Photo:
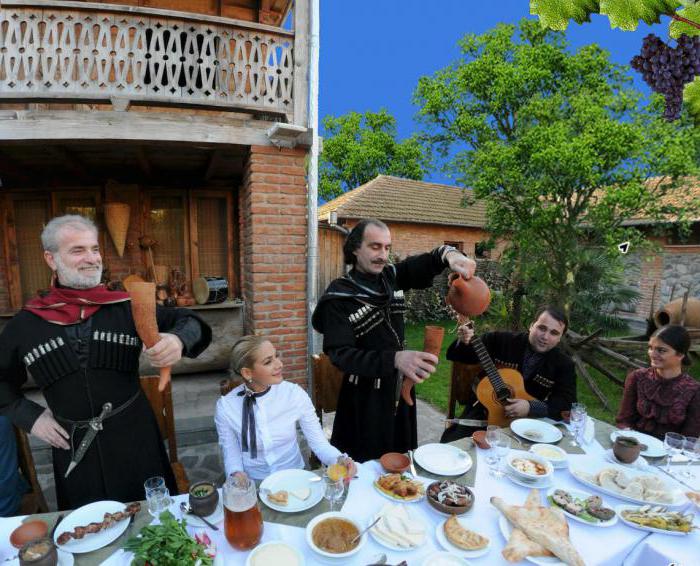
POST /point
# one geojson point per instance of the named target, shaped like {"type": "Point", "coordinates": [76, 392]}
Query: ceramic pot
{"type": "Point", "coordinates": [39, 552]}
{"type": "Point", "coordinates": [469, 297]}
{"type": "Point", "coordinates": [627, 449]}
{"type": "Point", "coordinates": [432, 343]}
{"type": "Point", "coordinates": [670, 313]}
{"type": "Point", "coordinates": [203, 498]}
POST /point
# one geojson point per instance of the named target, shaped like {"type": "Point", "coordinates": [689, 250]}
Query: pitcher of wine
{"type": "Point", "coordinates": [243, 522]}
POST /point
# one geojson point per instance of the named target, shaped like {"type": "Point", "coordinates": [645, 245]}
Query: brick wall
{"type": "Point", "coordinates": [272, 205]}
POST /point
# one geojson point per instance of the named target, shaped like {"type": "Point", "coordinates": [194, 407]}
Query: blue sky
{"type": "Point", "coordinates": [374, 51]}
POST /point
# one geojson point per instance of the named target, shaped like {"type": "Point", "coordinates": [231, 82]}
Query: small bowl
{"type": "Point", "coordinates": [449, 509]}
{"type": "Point", "coordinates": [48, 556]}
{"type": "Point", "coordinates": [479, 438]}
{"type": "Point", "coordinates": [257, 555]}
{"type": "Point", "coordinates": [333, 515]}
{"type": "Point", "coordinates": [204, 505]}
{"type": "Point", "coordinates": [395, 462]}
{"type": "Point", "coordinates": [554, 454]}
{"type": "Point", "coordinates": [28, 531]}
{"type": "Point", "coordinates": [529, 456]}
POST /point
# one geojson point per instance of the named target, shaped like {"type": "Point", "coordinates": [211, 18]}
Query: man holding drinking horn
{"type": "Point", "coordinates": [80, 344]}
{"type": "Point", "coordinates": [361, 318]}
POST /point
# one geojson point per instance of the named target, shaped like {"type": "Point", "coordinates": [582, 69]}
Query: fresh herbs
{"type": "Point", "coordinates": [167, 544]}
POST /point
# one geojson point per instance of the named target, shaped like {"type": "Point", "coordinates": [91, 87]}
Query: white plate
{"type": "Point", "coordinates": [290, 480]}
{"type": "Point", "coordinates": [414, 520]}
{"type": "Point", "coordinates": [679, 501]}
{"type": "Point", "coordinates": [655, 447]}
{"type": "Point", "coordinates": [447, 545]}
{"type": "Point", "coordinates": [64, 559]}
{"type": "Point", "coordinates": [83, 516]}
{"type": "Point", "coordinates": [556, 462]}
{"type": "Point", "coordinates": [545, 433]}
{"type": "Point", "coordinates": [639, 464]}
{"type": "Point", "coordinates": [443, 558]}
{"type": "Point", "coordinates": [621, 508]}
{"type": "Point", "coordinates": [397, 499]}
{"type": "Point", "coordinates": [582, 495]}
{"type": "Point", "coordinates": [259, 548]}
{"type": "Point", "coordinates": [443, 459]}
{"type": "Point", "coordinates": [215, 518]}
{"type": "Point", "coordinates": [506, 528]}
{"type": "Point", "coordinates": [544, 483]}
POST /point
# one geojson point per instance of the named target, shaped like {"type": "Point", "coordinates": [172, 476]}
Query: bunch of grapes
{"type": "Point", "coordinates": [667, 70]}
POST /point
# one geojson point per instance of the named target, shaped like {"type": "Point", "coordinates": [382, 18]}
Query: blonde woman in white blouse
{"type": "Point", "coordinates": [256, 421]}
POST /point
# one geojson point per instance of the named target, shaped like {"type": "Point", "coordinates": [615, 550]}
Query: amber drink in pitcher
{"type": "Point", "coordinates": [243, 522]}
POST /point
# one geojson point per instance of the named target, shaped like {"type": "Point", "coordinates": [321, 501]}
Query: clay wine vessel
{"type": "Point", "coordinates": [432, 343]}
{"type": "Point", "coordinates": [469, 297]}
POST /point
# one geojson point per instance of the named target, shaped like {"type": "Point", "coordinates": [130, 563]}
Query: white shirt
{"type": "Point", "coordinates": [276, 415]}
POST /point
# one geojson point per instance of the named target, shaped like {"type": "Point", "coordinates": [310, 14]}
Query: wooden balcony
{"type": "Point", "coordinates": [54, 51]}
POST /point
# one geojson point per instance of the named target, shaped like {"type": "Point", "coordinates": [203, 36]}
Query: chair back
{"type": "Point", "coordinates": [327, 380]}
{"type": "Point", "coordinates": [33, 501]}
{"type": "Point", "coordinates": [462, 381]}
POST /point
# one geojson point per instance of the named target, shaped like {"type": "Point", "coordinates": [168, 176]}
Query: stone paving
{"type": "Point", "coordinates": [199, 452]}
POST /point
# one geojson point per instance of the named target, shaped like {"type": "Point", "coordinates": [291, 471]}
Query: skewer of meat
{"type": "Point", "coordinates": [108, 520]}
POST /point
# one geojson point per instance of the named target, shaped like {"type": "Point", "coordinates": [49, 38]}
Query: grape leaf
{"type": "Point", "coordinates": [691, 13]}
{"type": "Point", "coordinates": [555, 14]}
{"type": "Point", "coordinates": [691, 99]}
{"type": "Point", "coordinates": [625, 14]}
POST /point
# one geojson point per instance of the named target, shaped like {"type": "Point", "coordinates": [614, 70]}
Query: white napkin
{"type": "Point", "coordinates": [589, 431]}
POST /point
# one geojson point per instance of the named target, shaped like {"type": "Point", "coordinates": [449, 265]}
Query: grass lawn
{"type": "Point", "coordinates": [436, 390]}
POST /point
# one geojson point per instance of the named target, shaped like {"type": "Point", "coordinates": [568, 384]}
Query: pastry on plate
{"type": "Point", "coordinates": [279, 497]}
{"type": "Point", "coordinates": [463, 538]}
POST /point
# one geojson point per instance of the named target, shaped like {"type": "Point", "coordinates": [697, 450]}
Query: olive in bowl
{"type": "Point", "coordinates": [450, 497]}
{"type": "Point", "coordinates": [204, 498]}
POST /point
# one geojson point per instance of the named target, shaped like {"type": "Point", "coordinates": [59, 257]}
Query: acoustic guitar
{"type": "Point", "coordinates": [497, 387]}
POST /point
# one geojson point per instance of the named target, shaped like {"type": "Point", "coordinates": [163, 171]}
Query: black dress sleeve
{"type": "Point", "coordinates": [418, 272]}
{"type": "Point", "coordinates": [13, 374]}
{"type": "Point", "coordinates": [340, 345]}
{"type": "Point", "coordinates": [564, 390]}
{"type": "Point", "coordinates": [187, 326]}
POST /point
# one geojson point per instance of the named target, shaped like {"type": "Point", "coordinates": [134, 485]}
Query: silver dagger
{"type": "Point", "coordinates": [94, 428]}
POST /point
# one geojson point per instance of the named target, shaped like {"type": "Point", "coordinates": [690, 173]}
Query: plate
{"type": "Point", "coordinates": [215, 518]}
{"type": "Point", "coordinates": [536, 431]}
{"type": "Point", "coordinates": [621, 508]}
{"type": "Point", "coordinates": [443, 558]}
{"type": "Point", "coordinates": [415, 520]}
{"type": "Point", "coordinates": [544, 483]}
{"type": "Point", "coordinates": [447, 545]}
{"type": "Point", "coordinates": [506, 528]}
{"type": "Point", "coordinates": [64, 559]}
{"type": "Point", "coordinates": [582, 495]}
{"type": "Point", "coordinates": [562, 462]}
{"type": "Point", "coordinates": [443, 459]}
{"type": "Point", "coordinates": [83, 516]}
{"type": "Point", "coordinates": [655, 447]}
{"type": "Point", "coordinates": [290, 480]}
{"type": "Point", "coordinates": [580, 475]}
{"type": "Point", "coordinates": [392, 497]}
{"type": "Point", "coordinates": [259, 549]}
{"type": "Point", "coordinates": [639, 464]}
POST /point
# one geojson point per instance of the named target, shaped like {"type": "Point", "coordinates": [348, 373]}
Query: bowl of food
{"type": "Point", "coordinates": [529, 466]}
{"type": "Point", "coordinates": [204, 498]}
{"type": "Point", "coordinates": [554, 454]}
{"type": "Point", "coordinates": [331, 534]}
{"type": "Point", "coordinates": [31, 530]}
{"type": "Point", "coordinates": [38, 552]}
{"type": "Point", "coordinates": [450, 497]}
{"type": "Point", "coordinates": [275, 552]}
{"type": "Point", "coordinates": [395, 462]}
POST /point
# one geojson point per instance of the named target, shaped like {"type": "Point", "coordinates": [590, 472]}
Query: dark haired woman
{"type": "Point", "coordinates": [663, 398]}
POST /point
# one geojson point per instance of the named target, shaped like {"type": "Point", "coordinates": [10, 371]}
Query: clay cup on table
{"type": "Point", "coordinates": [627, 449]}
{"type": "Point", "coordinates": [38, 552]}
{"type": "Point", "coordinates": [31, 530]}
{"type": "Point", "coordinates": [204, 498]}
{"type": "Point", "coordinates": [395, 462]}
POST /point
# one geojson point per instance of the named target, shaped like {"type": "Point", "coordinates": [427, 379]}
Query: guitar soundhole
{"type": "Point", "coordinates": [502, 395]}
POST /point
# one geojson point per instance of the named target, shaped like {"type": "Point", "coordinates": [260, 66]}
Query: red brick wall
{"type": "Point", "coordinates": [273, 252]}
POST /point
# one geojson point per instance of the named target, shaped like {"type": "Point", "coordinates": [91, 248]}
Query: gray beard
{"type": "Point", "coordinates": [72, 278]}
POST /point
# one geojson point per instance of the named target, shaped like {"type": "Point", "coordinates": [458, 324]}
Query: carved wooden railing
{"type": "Point", "coordinates": [100, 52]}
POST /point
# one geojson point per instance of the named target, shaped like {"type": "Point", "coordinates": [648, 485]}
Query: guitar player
{"type": "Point", "coordinates": [548, 373]}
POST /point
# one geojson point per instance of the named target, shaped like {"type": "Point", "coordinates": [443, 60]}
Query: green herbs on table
{"type": "Point", "coordinates": [167, 544]}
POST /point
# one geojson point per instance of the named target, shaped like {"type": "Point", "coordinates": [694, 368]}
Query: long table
{"type": "Point", "coordinates": [614, 545]}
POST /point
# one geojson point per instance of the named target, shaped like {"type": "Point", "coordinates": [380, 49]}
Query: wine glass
{"type": "Point", "coordinates": [492, 432]}
{"type": "Point", "coordinates": [158, 500]}
{"type": "Point", "coordinates": [578, 421]}
{"type": "Point", "coordinates": [501, 446]}
{"type": "Point", "coordinates": [334, 490]}
{"type": "Point", "coordinates": [673, 443]}
{"type": "Point", "coordinates": [691, 450]}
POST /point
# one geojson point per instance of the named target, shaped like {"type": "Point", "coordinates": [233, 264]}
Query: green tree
{"type": "Point", "coordinates": [561, 150]}
{"type": "Point", "coordinates": [358, 147]}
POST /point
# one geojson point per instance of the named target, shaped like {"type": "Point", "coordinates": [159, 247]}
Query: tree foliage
{"type": "Point", "coordinates": [358, 147]}
{"type": "Point", "coordinates": [559, 147]}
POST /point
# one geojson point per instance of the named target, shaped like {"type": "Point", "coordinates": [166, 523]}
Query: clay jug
{"type": "Point", "coordinates": [469, 297]}
{"type": "Point", "coordinates": [432, 342]}
{"type": "Point", "coordinates": [627, 449]}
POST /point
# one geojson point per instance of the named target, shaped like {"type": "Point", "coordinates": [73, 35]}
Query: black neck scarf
{"type": "Point", "coordinates": [248, 423]}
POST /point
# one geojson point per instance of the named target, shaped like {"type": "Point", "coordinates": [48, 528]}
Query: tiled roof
{"type": "Point", "coordinates": [405, 200]}
{"type": "Point", "coordinates": [683, 197]}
